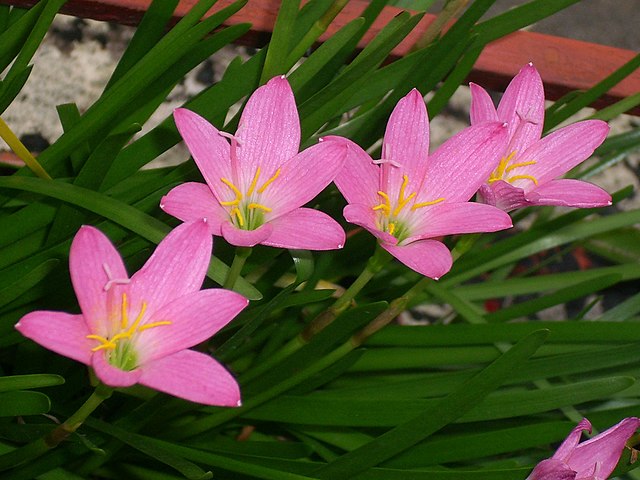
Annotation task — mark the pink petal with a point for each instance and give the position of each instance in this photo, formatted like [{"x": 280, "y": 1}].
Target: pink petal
[
  {"x": 458, "y": 218},
  {"x": 194, "y": 318},
  {"x": 110, "y": 375},
  {"x": 208, "y": 148},
  {"x": 193, "y": 376},
  {"x": 359, "y": 178},
  {"x": 464, "y": 162},
  {"x": 522, "y": 107},
  {"x": 603, "y": 450},
  {"x": 482, "y": 109},
  {"x": 269, "y": 129},
  {"x": 194, "y": 201},
  {"x": 572, "y": 440},
  {"x": 304, "y": 177},
  {"x": 552, "y": 469},
  {"x": 569, "y": 193},
  {"x": 177, "y": 267},
  {"x": 306, "y": 228},
  {"x": 503, "y": 195},
  {"x": 246, "y": 238},
  {"x": 427, "y": 257},
  {"x": 406, "y": 142},
  {"x": 93, "y": 262},
  {"x": 366, "y": 218},
  {"x": 59, "y": 332},
  {"x": 560, "y": 151}
]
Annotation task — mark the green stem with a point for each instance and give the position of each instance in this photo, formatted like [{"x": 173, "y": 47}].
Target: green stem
[
  {"x": 51, "y": 440},
  {"x": 242, "y": 253},
  {"x": 21, "y": 151}
]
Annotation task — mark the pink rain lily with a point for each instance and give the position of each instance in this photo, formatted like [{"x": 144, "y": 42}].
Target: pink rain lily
[
  {"x": 527, "y": 174},
  {"x": 257, "y": 180},
  {"x": 408, "y": 198},
  {"x": 594, "y": 459},
  {"x": 138, "y": 329}
]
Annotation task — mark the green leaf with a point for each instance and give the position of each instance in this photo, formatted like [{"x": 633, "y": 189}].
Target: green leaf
[
  {"x": 22, "y": 285},
  {"x": 17, "y": 403},
  {"x": 452, "y": 407},
  {"x": 23, "y": 382},
  {"x": 280, "y": 44}
]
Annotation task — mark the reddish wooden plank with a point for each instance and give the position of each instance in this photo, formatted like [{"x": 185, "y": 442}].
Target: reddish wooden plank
[{"x": 564, "y": 64}]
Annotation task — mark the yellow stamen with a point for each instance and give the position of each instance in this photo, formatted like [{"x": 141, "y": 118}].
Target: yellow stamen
[
  {"x": 268, "y": 182},
  {"x": 501, "y": 168},
  {"x": 153, "y": 325},
  {"x": 124, "y": 312},
  {"x": 401, "y": 200},
  {"x": 254, "y": 182},
  {"x": 523, "y": 177},
  {"x": 426, "y": 204},
  {"x": 386, "y": 206},
  {"x": 236, "y": 211},
  {"x": 391, "y": 228},
  {"x": 521, "y": 164},
  {"x": 235, "y": 190},
  {"x": 258, "y": 205},
  {"x": 105, "y": 343}
]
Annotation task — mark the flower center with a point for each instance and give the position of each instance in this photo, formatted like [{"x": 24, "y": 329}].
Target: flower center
[
  {"x": 119, "y": 347},
  {"x": 504, "y": 169},
  {"x": 389, "y": 212},
  {"x": 245, "y": 210}
]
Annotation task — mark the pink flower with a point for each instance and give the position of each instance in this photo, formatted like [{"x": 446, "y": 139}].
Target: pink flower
[
  {"x": 138, "y": 330},
  {"x": 527, "y": 173},
  {"x": 257, "y": 183},
  {"x": 594, "y": 459},
  {"x": 409, "y": 197}
]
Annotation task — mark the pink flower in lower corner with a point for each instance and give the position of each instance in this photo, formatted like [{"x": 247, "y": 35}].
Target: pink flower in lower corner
[
  {"x": 138, "y": 329},
  {"x": 256, "y": 180},
  {"x": 409, "y": 198},
  {"x": 594, "y": 459},
  {"x": 530, "y": 166}
]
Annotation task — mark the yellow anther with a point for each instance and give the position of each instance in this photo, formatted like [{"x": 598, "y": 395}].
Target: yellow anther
[
  {"x": 269, "y": 182},
  {"x": 386, "y": 206},
  {"x": 251, "y": 206},
  {"x": 153, "y": 325},
  {"x": 523, "y": 177},
  {"x": 124, "y": 315},
  {"x": 426, "y": 204},
  {"x": 254, "y": 182},
  {"x": 238, "y": 213},
  {"x": 391, "y": 228},
  {"x": 235, "y": 190},
  {"x": 502, "y": 167},
  {"x": 521, "y": 164},
  {"x": 105, "y": 343},
  {"x": 401, "y": 200}
]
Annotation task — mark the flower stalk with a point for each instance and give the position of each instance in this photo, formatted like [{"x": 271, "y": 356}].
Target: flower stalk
[{"x": 242, "y": 253}]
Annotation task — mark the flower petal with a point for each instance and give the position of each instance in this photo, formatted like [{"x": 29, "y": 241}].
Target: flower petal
[
  {"x": 269, "y": 129},
  {"x": 457, "y": 169},
  {"x": 482, "y": 109},
  {"x": 93, "y": 263},
  {"x": 209, "y": 149},
  {"x": 503, "y": 195},
  {"x": 406, "y": 142},
  {"x": 304, "y": 177},
  {"x": 560, "y": 151},
  {"x": 194, "y": 201},
  {"x": 59, "y": 332},
  {"x": 194, "y": 318},
  {"x": 366, "y": 218},
  {"x": 458, "y": 218},
  {"x": 177, "y": 267},
  {"x": 572, "y": 440},
  {"x": 359, "y": 178},
  {"x": 569, "y": 193},
  {"x": 245, "y": 238},
  {"x": 603, "y": 450},
  {"x": 110, "y": 375},
  {"x": 522, "y": 107},
  {"x": 306, "y": 228},
  {"x": 552, "y": 469},
  {"x": 193, "y": 376},
  {"x": 427, "y": 257}
]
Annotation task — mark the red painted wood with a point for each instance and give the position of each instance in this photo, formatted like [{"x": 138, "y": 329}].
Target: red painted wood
[{"x": 564, "y": 64}]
